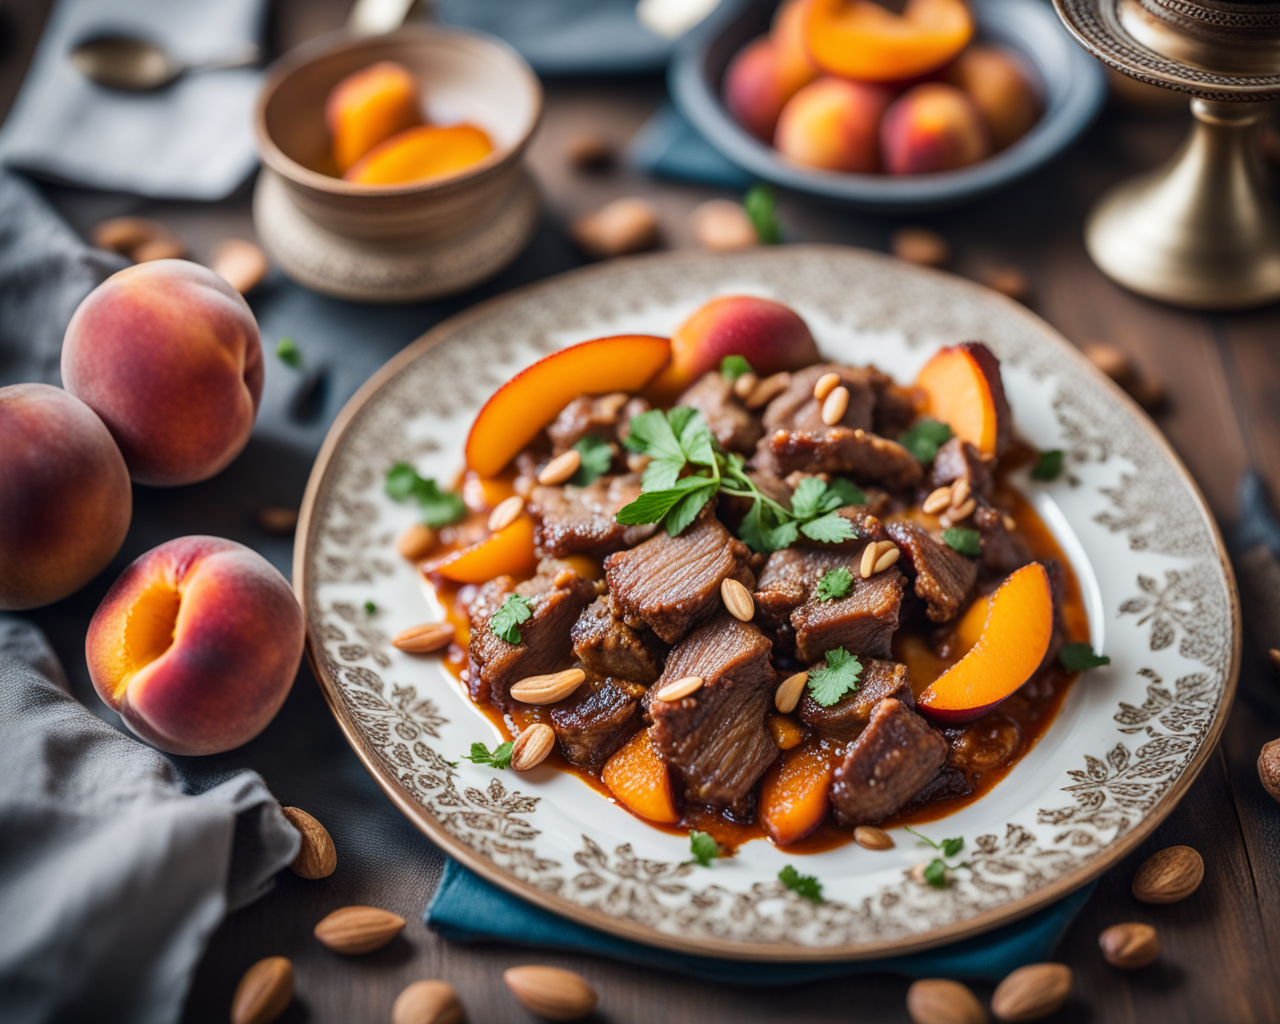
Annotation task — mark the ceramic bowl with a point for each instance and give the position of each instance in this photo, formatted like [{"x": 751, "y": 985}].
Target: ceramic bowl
[
  {"x": 396, "y": 243},
  {"x": 1072, "y": 82}
]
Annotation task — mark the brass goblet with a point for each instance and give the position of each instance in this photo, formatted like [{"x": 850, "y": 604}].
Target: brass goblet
[{"x": 1200, "y": 231}]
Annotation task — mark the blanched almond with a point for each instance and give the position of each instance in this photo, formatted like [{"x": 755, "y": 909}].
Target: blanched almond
[
  {"x": 721, "y": 224},
  {"x": 354, "y": 930},
  {"x": 264, "y": 992},
  {"x": 937, "y": 501},
  {"x": 767, "y": 390},
  {"x": 962, "y": 511},
  {"x": 624, "y": 225},
  {"x": 1031, "y": 992},
  {"x": 678, "y": 689},
  {"x": 1171, "y": 875},
  {"x": 560, "y": 469},
  {"x": 873, "y": 838},
  {"x": 942, "y": 1001},
  {"x": 886, "y": 556},
  {"x": 532, "y": 746},
  {"x": 240, "y": 263},
  {"x": 1130, "y": 946},
  {"x": 166, "y": 248},
  {"x": 789, "y": 692},
  {"x": 960, "y": 492},
  {"x": 505, "y": 513},
  {"x": 430, "y": 636},
  {"x": 428, "y": 1002},
  {"x": 551, "y": 992},
  {"x": 835, "y": 405},
  {"x": 920, "y": 245},
  {"x": 548, "y": 689},
  {"x": 744, "y": 385},
  {"x": 868, "y": 564},
  {"x": 826, "y": 384},
  {"x": 317, "y": 857},
  {"x": 416, "y": 542},
  {"x": 737, "y": 598}
]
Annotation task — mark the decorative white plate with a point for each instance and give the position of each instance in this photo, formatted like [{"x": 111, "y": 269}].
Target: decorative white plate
[{"x": 1129, "y": 740}]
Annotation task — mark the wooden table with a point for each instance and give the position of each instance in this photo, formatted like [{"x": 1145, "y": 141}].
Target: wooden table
[{"x": 1222, "y": 374}]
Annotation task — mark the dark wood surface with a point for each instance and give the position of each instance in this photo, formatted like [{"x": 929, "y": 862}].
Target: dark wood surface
[{"x": 1220, "y": 948}]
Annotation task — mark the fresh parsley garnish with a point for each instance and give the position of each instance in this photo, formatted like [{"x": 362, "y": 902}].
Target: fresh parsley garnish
[
  {"x": 835, "y": 584},
  {"x": 924, "y": 439},
  {"x": 287, "y": 352},
  {"x": 703, "y": 847},
  {"x": 761, "y": 205},
  {"x": 802, "y": 885},
  {"x": 1048, "y": 466},
  {"x": 370, "y": 608},
  {"x": 597, "y": 459},
  {"x": 963, "y": 539},
  {"x": 438, "y": 507},
  {"x": 733, "y": 367},
  {"x": 1079, "y": 657},
  {"x": 935, "y": 872},
  {"x": 500, "y": 758},
  {"x": 505, "y": 622},
  {"x": 828, "y": 685}
]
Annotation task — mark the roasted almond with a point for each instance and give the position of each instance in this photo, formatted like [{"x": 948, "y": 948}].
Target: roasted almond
[
  {"x": 835, "y": 405},
  {"x": 1274, "y": 655},
  {"x": 1110, "y": 360},
  {"x": 960, "y": 492},
  {"x": 1269, "y": 767},
  {"x": 826, "y": 384},
  {"x": 551, "y": 992},
  {"x": 532, "y": 746},
  {"x": 1171, "y": 875},
  {"x": 767, "y": 390},
  {"x": 1031, "y": 992},
  {"x": 353, "y": 930},
  {"x": 868, "y": 564},
  {"x": 505, "y": 513},
  {"x": 873, "y": 838},
  {"x": 240, "y": 263},
  {"x": 417, "y": 542},
  {"x": 277, "y": 519},
  {"x": 789, "y": 692},
  {"x": 164, "y": 248},
  {"x": 625, "y": 225},
  {"x": 548, "y": 689},
  {"x": 745, "y": 384},
  {"x": 963, "y": 511},
  {"x": 317, "y": 857},
  {"x": 920, "y": 245},
  {"x": 1130, "y": 946},
  {"x": 886, "y": 554},
  {"x": 721, "y": 224},
  {"x": 423, "y": 639},
  {"x": 124, "y": 234},
  {"x": 1008, "y": 281},
  {"x": 264, "y": 992},
  {"x": 428, "y": 1002},
  {"x": 678, "y": 689},
  {"x": 942, "y": 1001},
  {"x": 737, "y": 598},
  {"x": 560, "y": 469},
  {"x": 938, "y": 500}
]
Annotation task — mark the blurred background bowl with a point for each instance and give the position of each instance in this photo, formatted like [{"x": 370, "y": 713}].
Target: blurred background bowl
[
  {"x": 1072, "y": 83},
  {"x": 397, "y": 243}
]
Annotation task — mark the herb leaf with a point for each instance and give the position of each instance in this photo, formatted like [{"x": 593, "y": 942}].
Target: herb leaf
[
  {"x": 652, "y": 506},
  {"x": 950, "y": 847},
  {"x": 287, "y": 352},
  {"x": 686, "y": 510},
  {"x": 733, "y": 367},
  {"x": 963, "y": 539},
  {"x": 704, "y": 848},
  {"x": 500, "y": 758},
  {"x": 924, "y": 439},
  {"x": 807, "y": 498},
  {"x": 651, "y": 434},
  {"x": 1079, "y": 657},
  {"x": 846, "y": 492},
  {"x": 370, "y": 608},
  {"x": 828, "y": 529},
  {"x": 1048, "y": 466},
  {"x": 505, "y": 622},
  {"x": 936, "y": 873},
  {"x": 438, "y": 507},
  {"x": 803, "y": 885},
  {"x": 835, "y": 584},
  {"x": 829, "y": 684},
  {"x": 597, "y": 459},
  {"x": 761, "y": 206}
]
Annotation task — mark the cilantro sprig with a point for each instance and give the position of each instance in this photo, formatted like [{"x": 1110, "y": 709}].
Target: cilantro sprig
[
  {"x": 802, "y": 885},
  {"x": 936, "y": 872},
  {"x": 597, "y": 459},
  {"x": 505, "y": 622},
  {"x": 1048, "y": 466},
  {"x": 1079, "y": 657},
  {"x": 499, "y": 757},
  {"x": 963, "y": 539},
  {"x": 733, "y": 367},
  {"x": 438, "y": 507},
  {"x": 835, "y": 584},
  {"x": 704, "y": 848},
  {"x": 841, "y": 675},
  {"x": 924, "y": 439}
]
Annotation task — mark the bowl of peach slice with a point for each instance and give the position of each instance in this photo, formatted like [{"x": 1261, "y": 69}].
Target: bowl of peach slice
[
  {"x": 906, "y": 107},
  {"x": 393, "y": 165}
]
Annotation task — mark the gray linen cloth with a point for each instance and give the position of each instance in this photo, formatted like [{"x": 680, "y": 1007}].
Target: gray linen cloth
[{"x": 189, "y": 140}]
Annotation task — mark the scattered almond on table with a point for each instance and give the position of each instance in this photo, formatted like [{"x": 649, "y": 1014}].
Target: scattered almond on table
[
  {"x": 1269, "y": 768},
  {"x": 920, "y": 245},
  {"x": 589, "y": 152},
  {"x": 722, "y": 224},
  {"x": 240, "y": 263},
  {"x": 1031, "y": 992},
  {"x": 277, "y": 519},
  {"x": 1274, "y": 655},
  {"x": 265, "y": 992},
  {"x": 551, "y": 992},
  {"x": 1008, "y": 281},
  {"x": 138, "y": 238},
  {"x": 623, "y": 226},
  {"x": 942, "y": 1001},
  {"x": 1171, "y": 875},
  {"x": 355, "y": 930},
  {"x": 428, "y": 1002},
  {"x": 1130, "y": 946},
  {"x": 317, "y": 858},
  {"x": 1117, "y": 365}
]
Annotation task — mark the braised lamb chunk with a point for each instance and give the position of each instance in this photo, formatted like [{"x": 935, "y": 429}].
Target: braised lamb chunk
[
  {"x": 670, "y": 584},
  {"x": 597, "y": 720},
  {"x": 591, "y": 415},
  {"x": 607, "y": 646},
  {"x": 894, "y": 758},
  {"x": 730, "y": 422},
  {"x": 984, "y": 745},
  {"x": 944, "y": 577},
  {"x": 948, "y": 784},
  {"x": 572, "y": 519},
  {"x": 959, "y": 460},
  {"x": 846, "y": 718},
  {"x": 856, "y": 453},
  {"x": 863, "y": 621},
  {"x": 716, "y": 737},
  {"x": 796, "y": 408},
  {"x": 557, "y": 595}
]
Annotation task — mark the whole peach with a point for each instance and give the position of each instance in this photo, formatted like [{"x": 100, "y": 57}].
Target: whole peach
[
  {"x": 168, "y": 354},
  {"x": 932, "y": 127},
  {"x": 755, "y": 89},
  {"x": 1000, "y": 88},
  {"x": 196, "y": 645},
  {"x": 65, "y": 501},
  {"x": 832, "y": 124}
]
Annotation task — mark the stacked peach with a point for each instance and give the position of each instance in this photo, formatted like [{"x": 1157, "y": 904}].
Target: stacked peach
[
  {"x": 379, "y": 136},
  {"x": 847, "y": 85}
]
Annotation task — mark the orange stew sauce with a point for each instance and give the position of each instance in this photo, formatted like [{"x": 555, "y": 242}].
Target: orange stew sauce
[{"x": 1027, "y": 714}]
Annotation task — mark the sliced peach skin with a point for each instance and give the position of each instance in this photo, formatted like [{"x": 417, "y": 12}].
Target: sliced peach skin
[
  {"x": 509, "y": 552},
  {"x": 963, "y": 389},
  {"x": 793, "y": 796},
  {"x": 534, "y": 396},
  {"x": 421, "y": 154},
  {"x": 641, "y": 782},
  {"x": 862, "y": 40},
  {"x": 1014, "y": 640}
]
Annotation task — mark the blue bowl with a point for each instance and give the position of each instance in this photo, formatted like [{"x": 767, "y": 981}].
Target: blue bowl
[{"x": 1073, "y": 88}]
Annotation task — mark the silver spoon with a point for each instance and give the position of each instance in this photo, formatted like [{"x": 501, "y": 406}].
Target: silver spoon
[{"x": 133, "y": 63}]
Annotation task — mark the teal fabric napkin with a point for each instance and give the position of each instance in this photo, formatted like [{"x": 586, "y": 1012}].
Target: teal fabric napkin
[
  {"x": 668, "y": 146},
  {"x": 466, "y": 908}
]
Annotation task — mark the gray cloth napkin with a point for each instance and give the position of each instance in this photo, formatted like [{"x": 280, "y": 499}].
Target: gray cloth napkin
[
  {"x": 190, "y": 140},
  {"x": 111, "y": 879}
]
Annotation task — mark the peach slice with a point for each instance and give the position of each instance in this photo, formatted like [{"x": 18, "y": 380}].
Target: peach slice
[
  {"x": 862, "y": 40},
  {"x": 421, "y": 154},
  {"x": 509, "y": 552},
  {"x": 534, "y": 396},
  {"x": 641, "y": 782},
  {"x": 368, "y": 106},
  {"x": 793, "y": 796},
  {"x": 1014, "y": 640},
  {"x": 963, "y": 389}
]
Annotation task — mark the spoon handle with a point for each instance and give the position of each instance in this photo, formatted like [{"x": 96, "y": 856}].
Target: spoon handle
[{"x": 248, "y": 56}]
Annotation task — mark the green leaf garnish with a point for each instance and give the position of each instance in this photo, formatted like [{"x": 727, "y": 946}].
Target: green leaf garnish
[
  {"x": 1048, "y": 466},
  {"x": 846, "y": 492},
  {"x": 831, "y": 528},
  {"x": 370, "y": 608},
  {"x": 703, "y": 847},
  {"x": 835, "y": 584},
  {"x": 829, "y": 684},
  {"x": 505, "y": 622},
  {"x": 935, "y": 873},
  {"x": 597, "y": 459},
  {"x": 806, "y": 500},
  {"x": 924, "y": 439},
  {"x": 438, "y": 507},
  {"x": 287, "y": 352},
  {"x": 733, "y": 367},
  {"x": 963, "y": 539},
  {"x": 803, "y": 885},
  {"x": 500, "y": 758},
  {"x": 1079, "y": 657},
  {"x": 949, "y": 847},
  {"x": 761, "y": 204},
  {"x": 686, "y": 510}
]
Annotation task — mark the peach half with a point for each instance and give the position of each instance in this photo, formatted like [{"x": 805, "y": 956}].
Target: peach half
[
  {"x": 963, "y": 389},
  {"x": 196, "y": 645},
  {"x": 867, "y": 42}
]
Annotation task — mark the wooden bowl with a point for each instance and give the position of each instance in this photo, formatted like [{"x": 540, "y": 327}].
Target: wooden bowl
[{"x": 397, "y": 243}]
